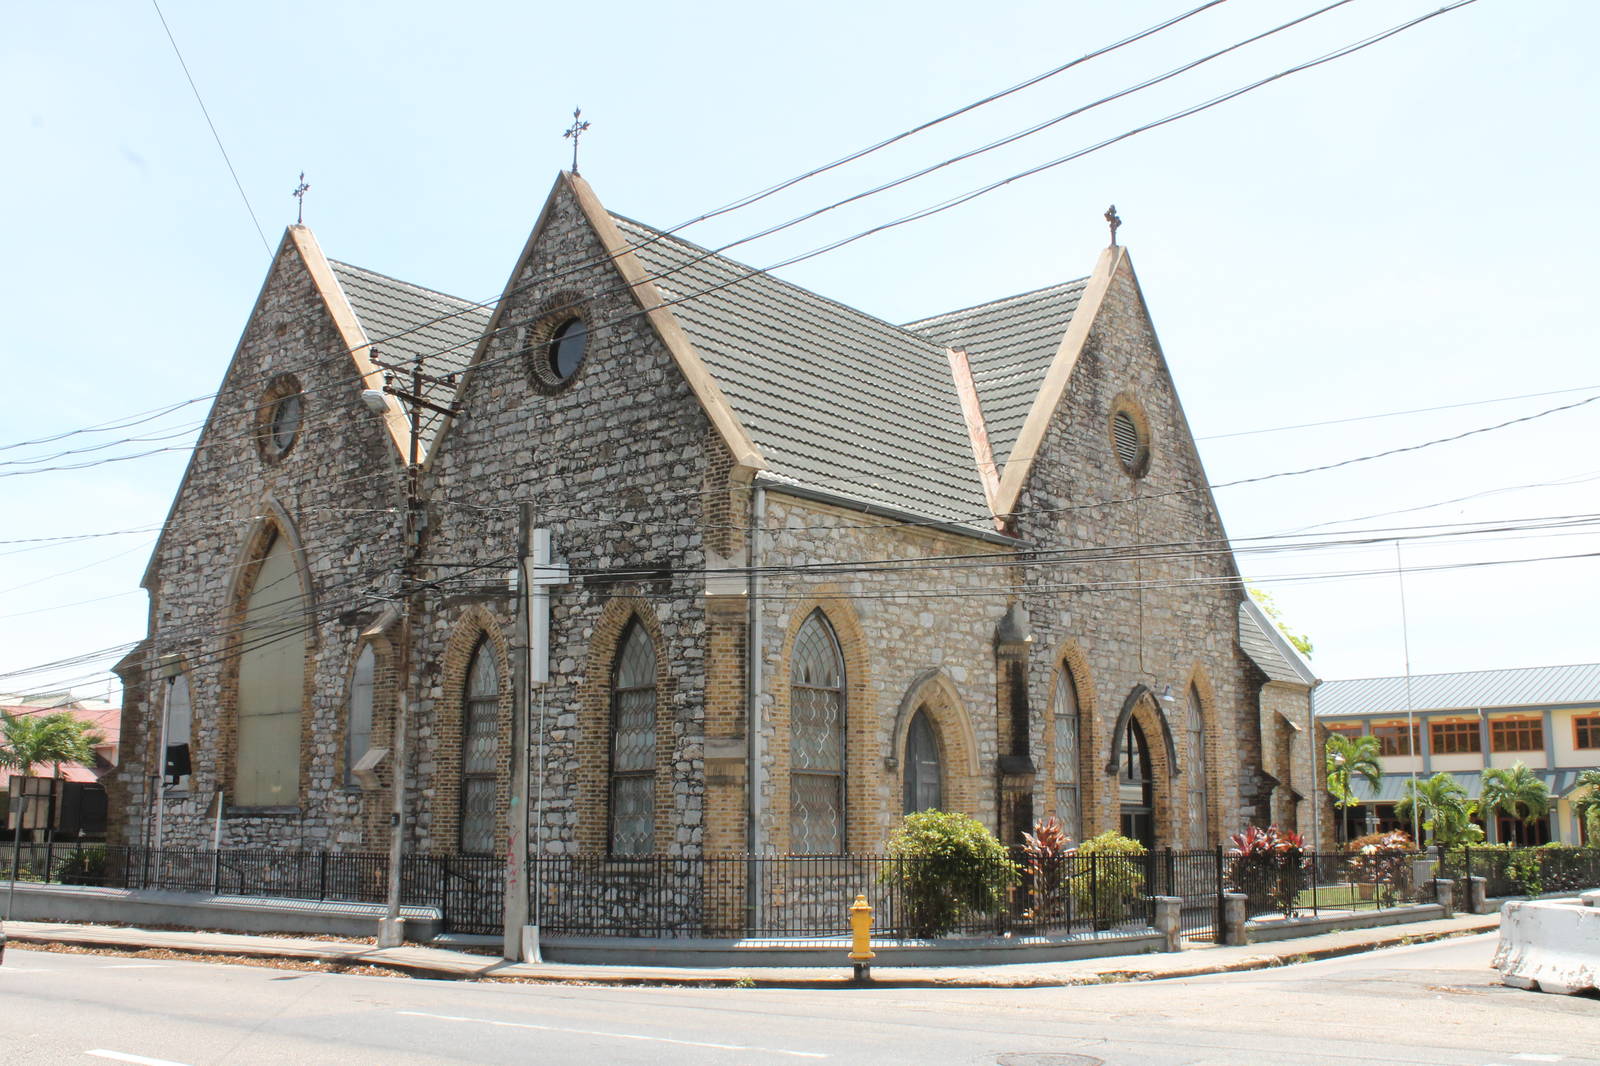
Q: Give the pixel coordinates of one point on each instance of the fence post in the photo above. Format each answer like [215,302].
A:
[1094,890]
[1222,898]
[322,877]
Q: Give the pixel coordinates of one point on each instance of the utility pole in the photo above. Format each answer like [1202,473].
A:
[516,906]
[391,929]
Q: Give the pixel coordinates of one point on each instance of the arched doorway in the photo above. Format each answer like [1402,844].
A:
[1136,786]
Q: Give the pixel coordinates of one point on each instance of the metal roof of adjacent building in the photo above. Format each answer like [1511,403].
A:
[834,398]
[407,323]
[1010,344]
[1533,686]
[1392,787]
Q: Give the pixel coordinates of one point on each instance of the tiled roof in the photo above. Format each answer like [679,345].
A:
[1534,686]
[406,322]
[1010,344]
[834,398]
[1259,638]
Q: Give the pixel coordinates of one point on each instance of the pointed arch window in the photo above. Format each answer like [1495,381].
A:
[816,741]
[1197,772]
[924,783]
[1136,786]
[480,750]
[180,723]
[1068,775]
[633,745]
[358,724]
[272,670]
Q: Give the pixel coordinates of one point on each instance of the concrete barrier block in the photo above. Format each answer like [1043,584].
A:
[1478,895]
[1444,892]
[1235,916]
[1550,945]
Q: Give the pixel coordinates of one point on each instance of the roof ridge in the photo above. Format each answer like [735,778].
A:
[759,272]
[996,302]
[474,304]
[1457,673]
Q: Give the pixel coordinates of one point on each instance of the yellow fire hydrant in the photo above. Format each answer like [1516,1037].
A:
[861,954]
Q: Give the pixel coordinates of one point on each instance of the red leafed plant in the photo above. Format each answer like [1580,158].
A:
[1046,852]
[1268,866]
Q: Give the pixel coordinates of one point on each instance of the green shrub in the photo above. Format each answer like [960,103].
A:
[949,866]
[82,866]
[1108,886]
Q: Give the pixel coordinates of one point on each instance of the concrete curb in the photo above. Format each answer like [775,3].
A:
[432,963]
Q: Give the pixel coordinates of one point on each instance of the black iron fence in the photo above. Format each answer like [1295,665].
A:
[804,897]
[1512,871]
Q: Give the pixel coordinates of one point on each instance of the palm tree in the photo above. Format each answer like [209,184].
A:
[1348,758]
[1516,791]
[1443,809]
[29,740]
[1587,806]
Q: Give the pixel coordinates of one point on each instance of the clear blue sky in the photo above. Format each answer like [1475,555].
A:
[1411,227]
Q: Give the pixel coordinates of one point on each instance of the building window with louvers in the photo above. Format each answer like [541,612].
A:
[1130,438]
[480,751]
[633,745]
[816,741]
[924,778]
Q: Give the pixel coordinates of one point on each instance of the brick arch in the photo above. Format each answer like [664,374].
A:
[1092,788]
[865,814]
[594,725]
[476,623]
[934,692]
[272,521]
[1200,681]
[1142,706]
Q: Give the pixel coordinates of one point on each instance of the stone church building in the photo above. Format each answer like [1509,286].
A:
[810,570]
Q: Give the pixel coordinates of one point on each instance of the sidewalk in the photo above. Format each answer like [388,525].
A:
[440,963]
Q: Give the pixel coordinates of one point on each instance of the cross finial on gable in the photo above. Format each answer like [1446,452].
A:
[576,130]
[1114,222]
[300,195]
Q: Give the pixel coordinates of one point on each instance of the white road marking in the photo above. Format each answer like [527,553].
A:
[615,1036]
[139,1060]
[1530,1056]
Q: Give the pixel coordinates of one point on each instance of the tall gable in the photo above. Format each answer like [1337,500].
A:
[835,398]
[1009,344]
[408,324]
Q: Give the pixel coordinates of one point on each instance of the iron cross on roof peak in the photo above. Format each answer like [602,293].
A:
[300,195]
[1114,221]
[576,130]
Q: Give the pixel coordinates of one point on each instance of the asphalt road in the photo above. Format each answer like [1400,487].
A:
[1436,1004]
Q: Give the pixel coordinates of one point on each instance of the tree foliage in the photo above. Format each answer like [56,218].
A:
[1517,791]
[1444,810]
[30,740]
[1269,606]
[1586,802]
[1346,759]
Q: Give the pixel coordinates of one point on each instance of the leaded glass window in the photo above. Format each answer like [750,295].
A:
[1068,775]
[358,726]
[924,786]
[816,741]
[633,745]
[1196,772]
[480,751]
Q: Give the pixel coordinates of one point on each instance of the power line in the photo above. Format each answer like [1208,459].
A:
[215,135]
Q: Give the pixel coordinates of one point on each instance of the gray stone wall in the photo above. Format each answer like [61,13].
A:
[333,494]
[1137,620]
[622,467]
